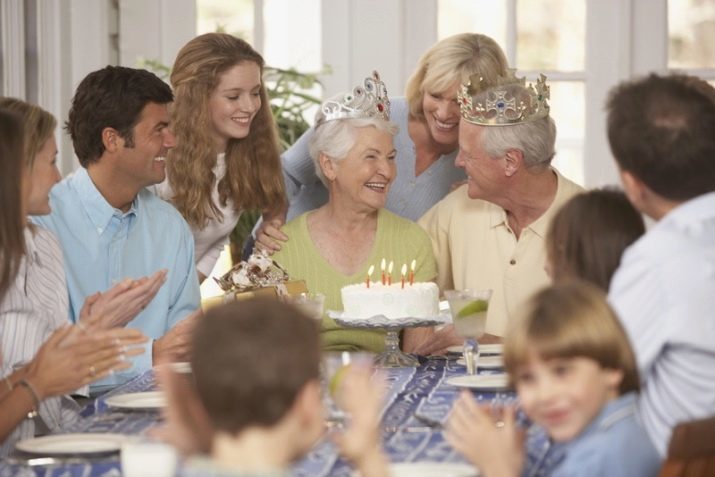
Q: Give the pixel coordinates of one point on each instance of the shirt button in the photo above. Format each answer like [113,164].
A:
[512,262]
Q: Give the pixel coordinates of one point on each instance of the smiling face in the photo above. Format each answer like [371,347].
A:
[364,176]
[234,103]
[442,115]
[484,173]
[564,395]
[43,175]
[143,164]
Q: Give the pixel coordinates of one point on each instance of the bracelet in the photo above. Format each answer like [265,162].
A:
[35,398]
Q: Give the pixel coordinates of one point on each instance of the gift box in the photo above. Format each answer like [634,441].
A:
[290,288]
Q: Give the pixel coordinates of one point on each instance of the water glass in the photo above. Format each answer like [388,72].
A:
[143,458]
[469,316]
[312,304]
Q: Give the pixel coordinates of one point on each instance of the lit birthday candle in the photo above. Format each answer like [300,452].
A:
[382,269]
[412,271]
[404,272]
[369,274]
[389,272]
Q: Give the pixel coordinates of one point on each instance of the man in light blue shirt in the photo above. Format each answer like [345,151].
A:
[109,226]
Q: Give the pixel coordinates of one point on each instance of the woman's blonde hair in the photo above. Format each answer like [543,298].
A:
[571,320]
[39,125]
[453,60]
[254,178]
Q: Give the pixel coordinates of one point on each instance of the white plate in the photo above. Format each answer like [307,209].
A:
[145,400]
[486,382]
[73,444]
[430,469]
[493,348]
[486,362]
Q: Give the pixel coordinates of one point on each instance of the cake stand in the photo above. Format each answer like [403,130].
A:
[392,357]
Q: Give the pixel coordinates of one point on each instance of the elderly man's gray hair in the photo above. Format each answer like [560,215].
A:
[535,139]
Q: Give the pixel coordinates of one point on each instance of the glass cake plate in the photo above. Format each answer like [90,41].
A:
[392,357]
[381,321]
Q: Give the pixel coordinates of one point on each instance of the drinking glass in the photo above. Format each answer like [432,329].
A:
[312,304]
[333,368]
[469,316]
[142,458]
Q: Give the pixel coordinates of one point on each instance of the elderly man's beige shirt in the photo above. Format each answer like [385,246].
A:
[475,248]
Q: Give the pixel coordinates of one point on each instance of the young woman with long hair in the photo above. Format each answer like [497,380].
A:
[227,157]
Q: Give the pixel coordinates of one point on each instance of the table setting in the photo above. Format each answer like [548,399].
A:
[416,407]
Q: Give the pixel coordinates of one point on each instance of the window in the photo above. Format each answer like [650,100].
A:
[691,37]
[231,16]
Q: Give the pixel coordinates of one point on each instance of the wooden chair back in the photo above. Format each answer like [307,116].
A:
[691,452]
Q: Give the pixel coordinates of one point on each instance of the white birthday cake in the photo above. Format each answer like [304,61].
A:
[419,300]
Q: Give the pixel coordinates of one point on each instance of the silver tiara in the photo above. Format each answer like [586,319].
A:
[370,101]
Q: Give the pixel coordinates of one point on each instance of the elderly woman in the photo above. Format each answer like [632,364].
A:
[426,143]
[334,245]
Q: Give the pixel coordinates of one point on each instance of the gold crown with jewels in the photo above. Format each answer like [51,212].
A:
[508,101]
[368,101]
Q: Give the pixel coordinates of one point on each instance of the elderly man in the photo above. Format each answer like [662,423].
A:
[110,227]
[489,233]
[662,134]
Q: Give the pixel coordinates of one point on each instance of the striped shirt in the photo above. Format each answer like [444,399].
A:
[34,306]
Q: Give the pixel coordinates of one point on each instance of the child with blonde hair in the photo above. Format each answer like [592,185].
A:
[576,378]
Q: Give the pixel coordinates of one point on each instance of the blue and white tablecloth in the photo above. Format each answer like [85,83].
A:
[413,392]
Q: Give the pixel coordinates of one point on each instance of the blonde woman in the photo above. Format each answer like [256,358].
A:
[226,159]
[426,144]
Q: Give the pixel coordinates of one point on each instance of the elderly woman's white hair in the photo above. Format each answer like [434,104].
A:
[336,137]
[534,139]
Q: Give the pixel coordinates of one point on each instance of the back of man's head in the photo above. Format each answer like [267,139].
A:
[662,131]
[112,97]
[250,361]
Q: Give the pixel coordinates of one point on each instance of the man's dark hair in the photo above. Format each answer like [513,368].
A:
[111,97]
[251,359]
[662,130]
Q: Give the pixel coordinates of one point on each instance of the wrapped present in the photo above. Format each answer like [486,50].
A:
[258,276]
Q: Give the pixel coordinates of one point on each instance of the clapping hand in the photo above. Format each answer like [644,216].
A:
[71,358]
[187,426]
[361,398]
[120,304]
[175,345]
[492,443]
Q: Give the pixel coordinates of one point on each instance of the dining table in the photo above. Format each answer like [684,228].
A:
[416,407]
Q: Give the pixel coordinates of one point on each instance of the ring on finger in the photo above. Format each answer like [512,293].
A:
[92,371]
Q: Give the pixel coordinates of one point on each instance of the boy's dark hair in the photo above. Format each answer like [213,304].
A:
[251,358]
[588,235]
[660,129]
[114,97]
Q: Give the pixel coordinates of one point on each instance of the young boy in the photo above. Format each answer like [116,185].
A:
[256,371]
[576,378]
